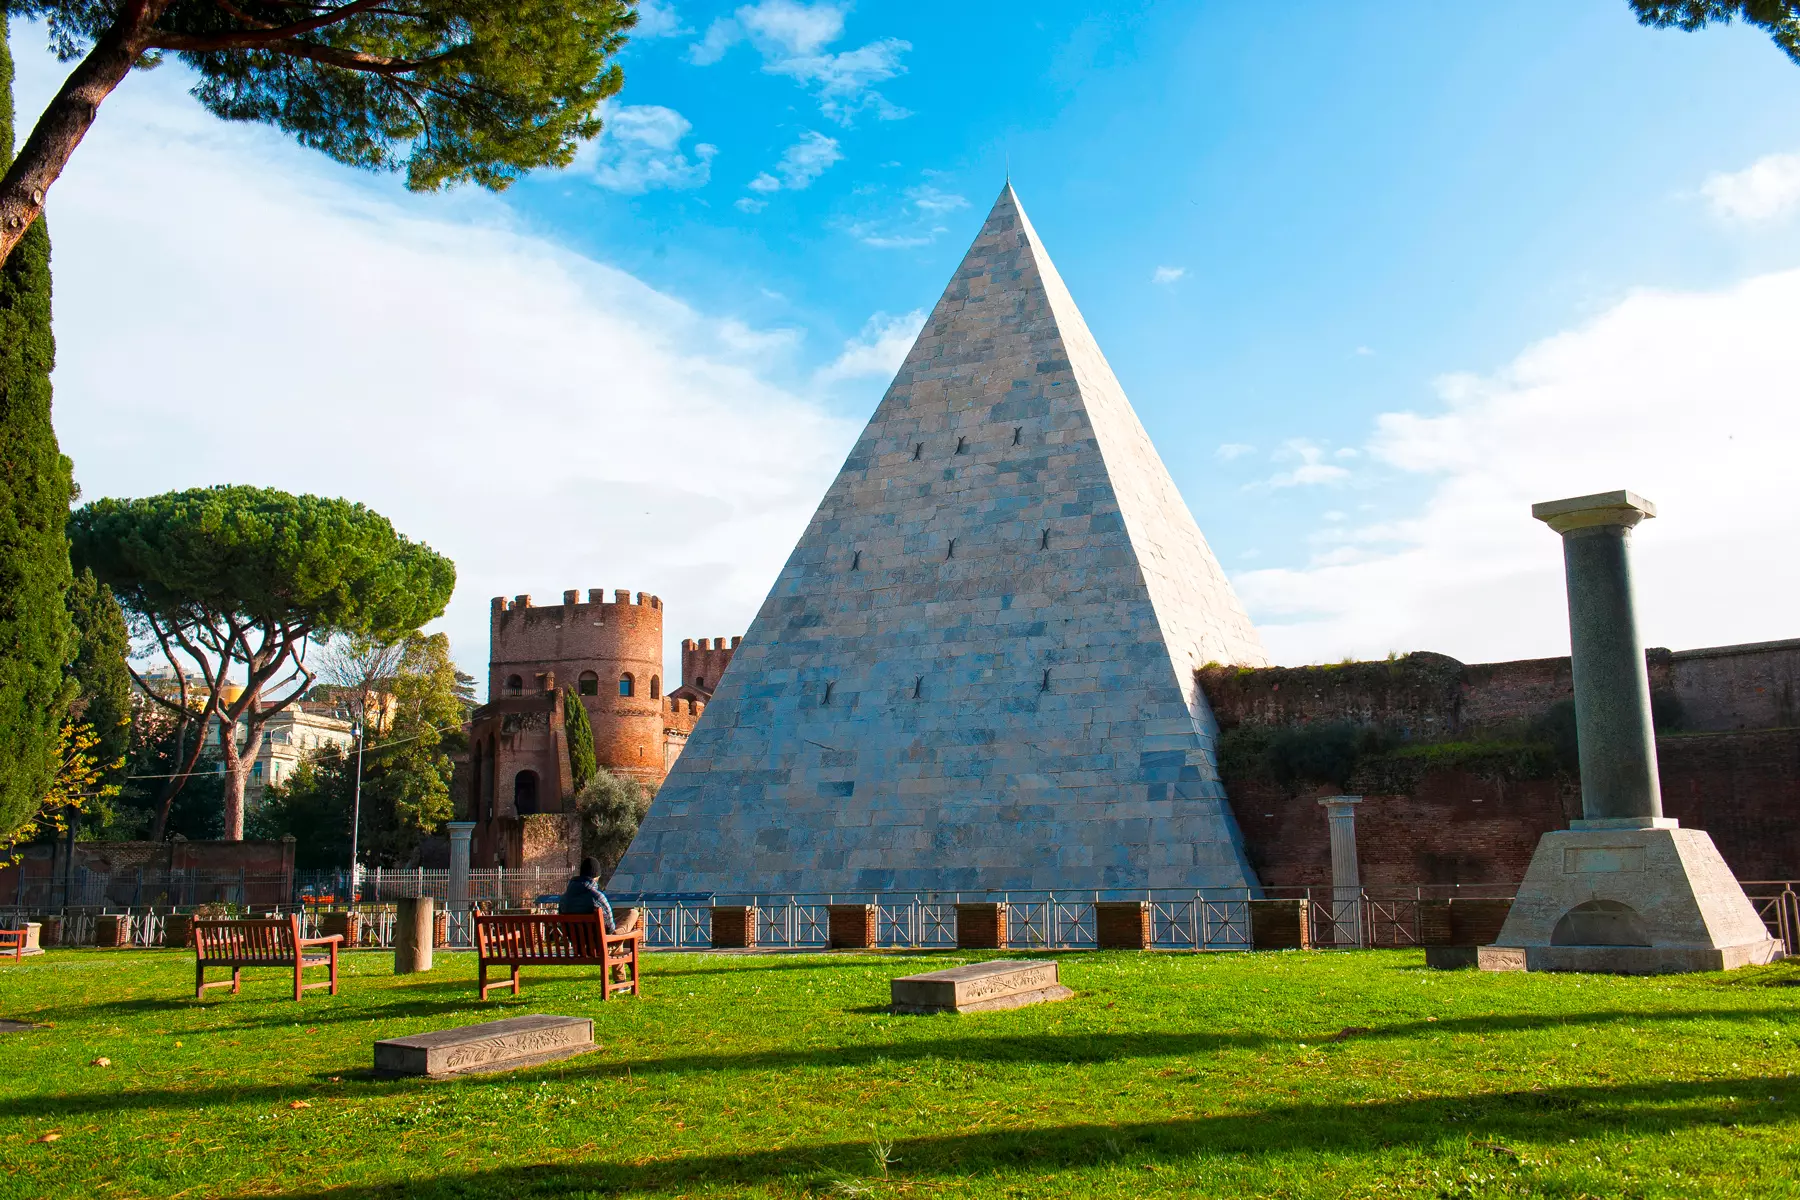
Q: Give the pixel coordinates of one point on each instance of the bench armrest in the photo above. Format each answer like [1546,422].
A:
[322,941]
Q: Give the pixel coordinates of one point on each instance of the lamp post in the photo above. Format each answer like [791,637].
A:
[356,812]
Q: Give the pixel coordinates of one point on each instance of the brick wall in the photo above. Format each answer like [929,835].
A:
[702,662]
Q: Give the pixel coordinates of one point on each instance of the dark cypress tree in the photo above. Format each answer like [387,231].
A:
[102,644]
[34,507]
[580,731]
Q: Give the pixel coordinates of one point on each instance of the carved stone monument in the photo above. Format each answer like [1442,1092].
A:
[490,1046]
[978,987]
[1623,890]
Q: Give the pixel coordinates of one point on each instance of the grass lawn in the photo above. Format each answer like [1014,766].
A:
[1274,1074]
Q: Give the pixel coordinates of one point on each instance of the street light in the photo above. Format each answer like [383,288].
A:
[356,814]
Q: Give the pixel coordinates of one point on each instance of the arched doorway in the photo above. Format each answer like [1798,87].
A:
[525,793]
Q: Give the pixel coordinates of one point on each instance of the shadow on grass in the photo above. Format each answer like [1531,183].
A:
[1498,1122]
[1069,1049]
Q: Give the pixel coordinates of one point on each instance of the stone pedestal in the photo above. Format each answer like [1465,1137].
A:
[1280,925]
[1631,902]
[1122,926]
[414,933]
[346,925]
[734,927]
[178,931]
[491,1046]
[1623,890]
[33,940]
[850,926]
[981,926]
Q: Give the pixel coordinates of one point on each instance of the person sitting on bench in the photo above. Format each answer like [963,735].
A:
[583,895]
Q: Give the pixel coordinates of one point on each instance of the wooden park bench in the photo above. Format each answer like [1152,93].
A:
[13,940]
[517,939]
[260,942]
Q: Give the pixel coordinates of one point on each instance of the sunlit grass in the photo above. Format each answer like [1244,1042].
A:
[1296,1075]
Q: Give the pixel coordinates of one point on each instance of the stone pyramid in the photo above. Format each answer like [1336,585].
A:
[976,670]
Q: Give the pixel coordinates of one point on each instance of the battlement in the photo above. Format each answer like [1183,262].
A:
[498,606]
[689,645]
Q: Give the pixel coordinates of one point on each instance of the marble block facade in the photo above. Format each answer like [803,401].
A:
[976,670]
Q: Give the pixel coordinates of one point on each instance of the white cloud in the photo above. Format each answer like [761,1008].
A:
[792,39]
[1231,450]
[639,150]
[929,198]
[801,164]
[1167,274]
[1310,469]
[1684,397]
[750,204]
[657,19]
[1768,188]
[532,413]
[1364,352]
[878,350]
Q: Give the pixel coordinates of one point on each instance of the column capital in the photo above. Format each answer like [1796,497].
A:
[1335,801]
[1622,508]
[460,830]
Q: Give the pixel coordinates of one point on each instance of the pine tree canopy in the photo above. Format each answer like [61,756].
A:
[450,91]
[1780,19]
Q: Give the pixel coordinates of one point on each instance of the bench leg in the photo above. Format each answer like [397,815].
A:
[333,991]
[199,980]
[515,978]
[237,981]
[299,987]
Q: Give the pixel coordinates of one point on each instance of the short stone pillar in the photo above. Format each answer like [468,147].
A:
[1122,925]
[1346,874]
[342,924]
[734,927]
[32,943]
[1280,925]
[178,931]
[850,926]
[981,926]
[414,932]
[112,929]
[51,933]
[459,864]
[1624,889]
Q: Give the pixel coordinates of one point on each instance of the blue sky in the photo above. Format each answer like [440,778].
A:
[1374,276]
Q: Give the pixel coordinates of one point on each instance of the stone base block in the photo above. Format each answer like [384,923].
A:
[1122,926]
[850,926]
[1280,925]
[491,1046]
[978,987]
[112,929]
[734,927]
[981,926]
[1634,901]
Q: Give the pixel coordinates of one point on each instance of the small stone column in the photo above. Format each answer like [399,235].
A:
[1614,733]
[459,864]
[414,931]
[1346,876]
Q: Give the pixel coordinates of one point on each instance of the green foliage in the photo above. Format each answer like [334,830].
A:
[1304,1076]
[1780,19]
[406,773]
[611,807]
[1365,758]
[103,682]
[313,803]
[264,557]
[35,486]
[1326,752]
[580,735]
[158,748]
[452,91]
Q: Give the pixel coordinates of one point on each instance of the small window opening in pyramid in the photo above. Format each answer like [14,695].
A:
[1045,686]
[827,697]
[1045,543]
[1018,432]
[918,686]
[918,449]
[960,442]
[856,561]
[952,552]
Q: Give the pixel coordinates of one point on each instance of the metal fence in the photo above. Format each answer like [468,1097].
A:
[1374,917]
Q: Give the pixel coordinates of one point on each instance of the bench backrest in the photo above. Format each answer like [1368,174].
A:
[266,939]
[532,936]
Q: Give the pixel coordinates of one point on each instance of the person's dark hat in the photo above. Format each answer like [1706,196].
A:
[590,868]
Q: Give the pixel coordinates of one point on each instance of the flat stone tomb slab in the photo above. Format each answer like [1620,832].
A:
[491,1046]
[978,987]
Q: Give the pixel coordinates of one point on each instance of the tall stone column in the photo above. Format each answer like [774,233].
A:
[459,864]
[1624,889]
[1619,786]
[1346,873]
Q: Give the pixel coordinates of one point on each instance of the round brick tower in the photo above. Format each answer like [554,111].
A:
[608,653]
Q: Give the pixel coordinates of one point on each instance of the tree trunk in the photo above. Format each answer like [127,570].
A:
[67,118]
